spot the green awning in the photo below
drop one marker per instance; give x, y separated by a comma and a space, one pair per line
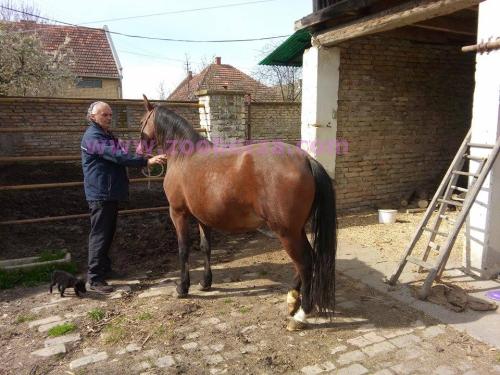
290, 52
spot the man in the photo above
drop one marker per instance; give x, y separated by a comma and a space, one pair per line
104, 165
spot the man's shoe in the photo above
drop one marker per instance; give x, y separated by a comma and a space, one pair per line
100, 287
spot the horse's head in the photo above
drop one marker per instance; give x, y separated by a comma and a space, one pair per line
148, 133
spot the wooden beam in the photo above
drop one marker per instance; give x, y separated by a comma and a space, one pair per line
413, 12
337, 9
463, 27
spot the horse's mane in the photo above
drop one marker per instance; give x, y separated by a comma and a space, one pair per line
172, 127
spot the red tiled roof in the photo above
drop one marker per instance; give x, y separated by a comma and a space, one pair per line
92, 52
220, 77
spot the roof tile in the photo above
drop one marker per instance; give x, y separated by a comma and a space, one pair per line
223, 76
92, 52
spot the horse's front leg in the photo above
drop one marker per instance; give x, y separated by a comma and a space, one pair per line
181, 223
205, 246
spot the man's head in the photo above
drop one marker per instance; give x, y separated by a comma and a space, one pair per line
100, 113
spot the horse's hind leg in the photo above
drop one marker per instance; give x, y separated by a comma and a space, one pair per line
205, 246
293, 296
299, 249
181, 224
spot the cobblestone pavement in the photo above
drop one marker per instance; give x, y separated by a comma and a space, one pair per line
236, 328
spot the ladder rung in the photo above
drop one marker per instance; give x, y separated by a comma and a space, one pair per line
463, 190
443, 234
453, 203
434, 245
476, 158
479, 145
465, 173
419, 262
445, 217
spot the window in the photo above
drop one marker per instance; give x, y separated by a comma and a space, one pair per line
85, 83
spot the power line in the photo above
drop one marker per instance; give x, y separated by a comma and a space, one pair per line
177, 12
152, 56
149, 37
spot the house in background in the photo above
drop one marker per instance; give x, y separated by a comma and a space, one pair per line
218, 76
96, 62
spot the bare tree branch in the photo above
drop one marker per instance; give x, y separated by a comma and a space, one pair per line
285, 79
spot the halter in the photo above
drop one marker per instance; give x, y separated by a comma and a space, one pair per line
146, 171
145, 123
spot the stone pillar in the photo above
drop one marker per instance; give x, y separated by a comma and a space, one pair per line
223, 115
482, 250
320, 86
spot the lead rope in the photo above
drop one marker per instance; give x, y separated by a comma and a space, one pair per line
146, 171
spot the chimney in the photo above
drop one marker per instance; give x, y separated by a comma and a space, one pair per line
217, 60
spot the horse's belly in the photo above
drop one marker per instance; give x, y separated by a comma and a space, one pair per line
235, 220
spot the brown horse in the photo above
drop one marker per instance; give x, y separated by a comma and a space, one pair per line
243, 188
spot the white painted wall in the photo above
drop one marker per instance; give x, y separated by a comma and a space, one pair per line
482, 250
320, 86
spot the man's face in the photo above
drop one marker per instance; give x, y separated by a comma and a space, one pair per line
103, 116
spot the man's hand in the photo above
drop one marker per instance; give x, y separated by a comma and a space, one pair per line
158, 159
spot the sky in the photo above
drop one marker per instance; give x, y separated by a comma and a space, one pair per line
147, 64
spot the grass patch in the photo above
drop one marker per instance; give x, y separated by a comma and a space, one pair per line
25, 318
263, 273
32, 276
228, 300
48, 255
96, 314
244, 310
61, 329
145, 316
115, 332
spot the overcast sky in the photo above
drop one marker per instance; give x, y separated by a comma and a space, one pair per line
146, 63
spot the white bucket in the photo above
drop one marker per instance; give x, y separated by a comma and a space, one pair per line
387, 216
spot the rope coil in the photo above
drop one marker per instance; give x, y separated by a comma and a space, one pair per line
146, 171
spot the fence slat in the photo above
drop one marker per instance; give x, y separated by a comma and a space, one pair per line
80, 216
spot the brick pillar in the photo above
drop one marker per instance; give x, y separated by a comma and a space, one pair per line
223, 115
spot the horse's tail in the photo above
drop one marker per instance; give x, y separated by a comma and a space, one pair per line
324, 240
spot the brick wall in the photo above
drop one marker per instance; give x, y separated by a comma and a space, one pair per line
66, 113
274, 121
404, 108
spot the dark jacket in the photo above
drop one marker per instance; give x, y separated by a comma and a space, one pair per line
103, 162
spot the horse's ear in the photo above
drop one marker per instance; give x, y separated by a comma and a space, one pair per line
147, 104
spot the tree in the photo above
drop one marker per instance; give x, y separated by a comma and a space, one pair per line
162, 92
26, 69
25, 12
285, 79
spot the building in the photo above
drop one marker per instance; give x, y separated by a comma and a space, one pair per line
218, 76
97, 65
392, 75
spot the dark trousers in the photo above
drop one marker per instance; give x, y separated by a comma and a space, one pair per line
103, 216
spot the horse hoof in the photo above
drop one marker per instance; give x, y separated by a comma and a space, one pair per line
295, 325
181, 293
205, 288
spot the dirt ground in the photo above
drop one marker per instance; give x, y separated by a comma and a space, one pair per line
238, 327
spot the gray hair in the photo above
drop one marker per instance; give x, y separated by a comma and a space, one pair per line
93, 109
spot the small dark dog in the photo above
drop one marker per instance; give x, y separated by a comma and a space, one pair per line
66, 280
